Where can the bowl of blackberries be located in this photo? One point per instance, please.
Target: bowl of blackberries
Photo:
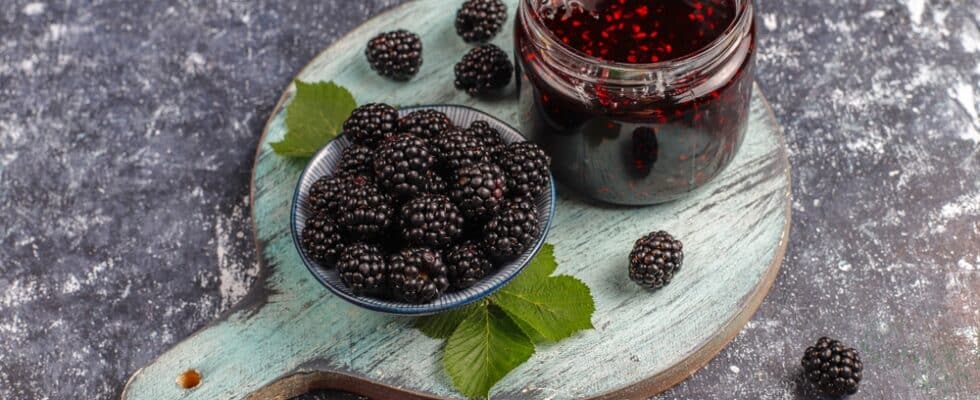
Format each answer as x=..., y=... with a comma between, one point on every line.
x=422, y=209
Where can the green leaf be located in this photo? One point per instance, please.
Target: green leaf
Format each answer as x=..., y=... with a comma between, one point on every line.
x=542, y=266
x=314, y=117
x=554, y=308
x=441, y=326
x=484, y=348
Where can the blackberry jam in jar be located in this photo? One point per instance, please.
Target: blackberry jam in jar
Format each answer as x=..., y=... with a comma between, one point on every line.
x=637, y=101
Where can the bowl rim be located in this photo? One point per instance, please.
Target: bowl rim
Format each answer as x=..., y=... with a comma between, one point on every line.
x=394, y=307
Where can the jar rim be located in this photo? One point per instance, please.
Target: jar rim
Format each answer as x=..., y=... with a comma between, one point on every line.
x=743, y=8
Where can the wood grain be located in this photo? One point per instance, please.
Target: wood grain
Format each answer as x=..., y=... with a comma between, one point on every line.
x=290, y=335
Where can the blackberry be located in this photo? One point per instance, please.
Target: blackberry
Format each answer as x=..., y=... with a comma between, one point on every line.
x=478, y=21
x=364, y=210
x=370, y=124
x=325, y=193
x=832, y=368
x=479, y=190
x=483, y=70
x=466, y=264
x=488, y=137
x=655, y=259
x=457, y=149
x=321, y=238
x=402, y=165
x=526, y=166
x=396, y=54
x=356, y=159
x=426, y=124
x=363, y=269
x=434, y=184
x=432, y=221
x=512, y=231
x=417, y=275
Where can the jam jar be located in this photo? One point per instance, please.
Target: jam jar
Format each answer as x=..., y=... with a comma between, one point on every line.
x=637, y=101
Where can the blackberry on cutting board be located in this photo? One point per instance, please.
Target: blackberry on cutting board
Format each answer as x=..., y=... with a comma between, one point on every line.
x=478, y=21
x=356, y=159
x=479, y=190
x=363, y=269
x=426, y=124
x=488, y=137
x=372, y=123
x=456, y=149
x=364, y=210
x=512, y=231
x=322, y=238
x=466, y=264
x=402, y=165
x=483, y=70
x=431, y=221
x=396, y=54
x=526, y=166
x=833, y=368
x=655, y=259
x=417, y=275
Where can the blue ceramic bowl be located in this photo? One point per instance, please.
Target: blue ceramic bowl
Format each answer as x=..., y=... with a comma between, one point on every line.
x=323, y=164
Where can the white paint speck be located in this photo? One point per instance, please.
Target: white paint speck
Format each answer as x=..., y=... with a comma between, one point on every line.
x=844, y=266
x=972, y=335
x=34, y=8
x=875, y=14
x=963, y=94
x=194, y=63
x=771, y=22
x=735, y=369
x=965, y=265
x=964, y=205
x=72, y=285
x=916, y=9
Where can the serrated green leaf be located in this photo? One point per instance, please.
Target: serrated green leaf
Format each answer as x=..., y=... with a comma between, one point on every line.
x=314, y=117
x=485, y=347
x=542, y=266
x=554, y=307
x=441, y=326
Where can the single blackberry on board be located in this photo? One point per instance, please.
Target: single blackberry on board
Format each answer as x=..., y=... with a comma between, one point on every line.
x=512, y=231
x=402, y=165
x=655, y=259
x=478, y=21
x=456, y=149
x=371, y=124
x=417, y=275
x=426, y=124
x=483, y=70
x=396, y=54
x=833, y=368
x=526, y=166
x=488, y=137
x=479, y=190
x=363, y=269
x=364, y=210
x=325, y=193
x=321, y=238
x=466, y=264
x=431, y=221
x=356, y=159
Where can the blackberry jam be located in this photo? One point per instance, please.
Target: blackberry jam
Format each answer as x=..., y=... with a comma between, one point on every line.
x=637, y=101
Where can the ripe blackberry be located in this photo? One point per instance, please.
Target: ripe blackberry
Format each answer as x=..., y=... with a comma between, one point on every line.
x=402, y=165
x=457, y=149
x=431, y=221
x=363, y=269
x=434, y=184
x=321, y=238
x=467, y=264
x=417, y=275
x=488, y=137
x=356, y=159
x=484, y=69
x=325, y=193
x=833, y=368
x=479, y=190
x=396, y=54
x=655, y=259
x=364, y=210
x=371, y=123
x=512, y=231
x=426, y=124
x=526, y=166
x=478, y=21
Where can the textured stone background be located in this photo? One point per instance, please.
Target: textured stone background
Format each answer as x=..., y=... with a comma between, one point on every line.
x=127, y=130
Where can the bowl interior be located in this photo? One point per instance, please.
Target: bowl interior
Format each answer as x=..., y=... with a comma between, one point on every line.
x=323, y=164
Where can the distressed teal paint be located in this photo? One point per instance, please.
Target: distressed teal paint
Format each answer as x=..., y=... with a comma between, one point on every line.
x=734, y=230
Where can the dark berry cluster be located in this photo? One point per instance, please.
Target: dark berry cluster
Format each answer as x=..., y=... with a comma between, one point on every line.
x=655, y=259
x=832, y=368
x=417, y=206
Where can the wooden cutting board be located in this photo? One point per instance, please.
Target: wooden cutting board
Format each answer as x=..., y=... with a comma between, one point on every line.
x=290, y=335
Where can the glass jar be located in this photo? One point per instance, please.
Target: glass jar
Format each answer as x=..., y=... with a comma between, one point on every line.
x=630, y=133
